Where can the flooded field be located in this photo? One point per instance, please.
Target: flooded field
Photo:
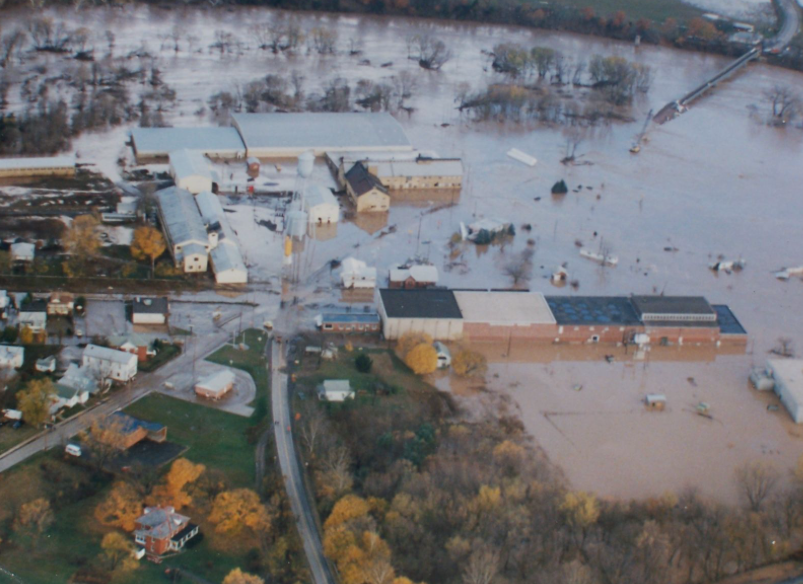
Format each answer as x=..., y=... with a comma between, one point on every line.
x=714, y=181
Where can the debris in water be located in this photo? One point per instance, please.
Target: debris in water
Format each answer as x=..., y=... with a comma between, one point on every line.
x=517, y=154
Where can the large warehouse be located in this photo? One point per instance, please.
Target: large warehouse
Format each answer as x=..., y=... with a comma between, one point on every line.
x=499, y=316
x=287, y=135
x=431, y=311
x=788, y=376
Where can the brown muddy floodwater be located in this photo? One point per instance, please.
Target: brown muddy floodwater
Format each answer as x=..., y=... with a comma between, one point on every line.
x=715, y=181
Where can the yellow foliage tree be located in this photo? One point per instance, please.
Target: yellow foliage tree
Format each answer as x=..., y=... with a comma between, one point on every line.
x=422, y=359
x=580, y=509
x=237, y=576
x=147, y=244
x=35, y=400
x=237, y=510
x=26, y=335
x=81, y=239
x=33, y=519
x=182, y=472
x=118, y=552
x=408, y=341
x=509, y=456
x=120, y=508
x=347, y=509
x=469, y=364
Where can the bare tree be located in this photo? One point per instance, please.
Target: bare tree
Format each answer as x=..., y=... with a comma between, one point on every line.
x=313, y=426
x=481, y=567
x=757, y=480
x=577, y=72
x=432, y=53
x=574, y=137
x=405, y=83
x=336, y=463
x=324, y=40
x=785, y=104
x=783, y=347
x=520, y=269
x=561, y=68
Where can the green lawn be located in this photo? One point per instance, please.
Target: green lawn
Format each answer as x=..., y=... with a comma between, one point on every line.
x=215, y=438
x=252, y=359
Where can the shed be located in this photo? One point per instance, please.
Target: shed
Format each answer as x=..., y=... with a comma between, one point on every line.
x=788, y=376
x=215, y=386
x=321, y=205
x=655, y=401
x=190, y=170
x=46, y=364
x=39, y=166
x=61, y=304
x=413, y=276
x=356, y=274
x=335, y=390
x=22, y=252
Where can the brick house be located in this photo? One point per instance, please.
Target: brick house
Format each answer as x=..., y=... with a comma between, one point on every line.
x=61, y=304
x=161, y=530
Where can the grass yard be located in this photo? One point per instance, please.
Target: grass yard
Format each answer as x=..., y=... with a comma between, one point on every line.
x=165, y=353
x=251, y=360
x=214, y=438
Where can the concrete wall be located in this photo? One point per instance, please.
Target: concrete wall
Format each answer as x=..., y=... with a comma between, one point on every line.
x=440, y=329
x=683, y=335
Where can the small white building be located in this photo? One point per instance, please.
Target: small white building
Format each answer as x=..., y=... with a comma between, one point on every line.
x=355, y=273
x=22, y=252
x=415, y=276
x=46, y=364
x=321, y=205
x=150, y=310
x=788, y=376
x=335, y=390
x=110, y=363
x=11, y=356
x=190, y=171
x=75, y=387
x=216, y=385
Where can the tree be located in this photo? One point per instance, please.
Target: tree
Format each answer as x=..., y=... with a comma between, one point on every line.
x=519, y=269
x=757, y=480
x=33, y=519
x=235, y=511
x=580, y=511
x=432, y=53
x=560, y=188
x=422, y=359
x=5, y=261
x=469, y=364
x=26, y=335
x=105, y=440
x=118, y=551
x=786, y=104
x=35, y=401
x=410, y=340
x=147, y=243
x=121, y=507
x=363, y=363
x=182, y=473
x=237, y=576
x=82, y=238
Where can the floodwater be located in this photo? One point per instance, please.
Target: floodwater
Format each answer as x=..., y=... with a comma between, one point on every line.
x=714, y=181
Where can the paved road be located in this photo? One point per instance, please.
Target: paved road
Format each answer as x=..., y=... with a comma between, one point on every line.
x=296, y=492
x=143, y=385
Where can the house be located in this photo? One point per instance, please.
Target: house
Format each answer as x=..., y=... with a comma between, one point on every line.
x=110, y=363
x=185, y=234
x=134, y=343
x=350, y=322
x=655, y=401
x=46, y=364
x=11, y=356
x=366, y=190
x=788, y=376
x=67, y=397
x=123, y=431
x=335, y=390
x=160, y=530
x=41, y=166
x=413, y=276
x=33, y=315
x=22, y=252
x=146, y=310
x=215, y=386
x=356, y=274
x=75, y=387
x=227, y=259
x=61, y=304
x=431, y=311
x=321, y=205
x=190, y=171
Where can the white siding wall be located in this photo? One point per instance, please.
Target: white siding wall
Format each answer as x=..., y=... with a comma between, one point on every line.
x=147, y=318
x=195, y=184
x=440, y=329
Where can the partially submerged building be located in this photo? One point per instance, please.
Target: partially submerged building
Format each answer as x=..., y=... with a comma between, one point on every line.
x=431, y=311
x=502, y=315
x=110, y=363
x=321, y=205
x=61, y=166
x=413, y=276
x=227, y=260
x=355, y=273
x=366, y=191
x=184, y=230
x=788, y=377
x=401, y=170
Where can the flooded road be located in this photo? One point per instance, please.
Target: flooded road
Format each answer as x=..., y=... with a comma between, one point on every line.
x=714, y=181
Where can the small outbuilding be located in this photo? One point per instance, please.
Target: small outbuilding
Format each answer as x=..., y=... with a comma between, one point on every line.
x=146, y=310
x=190, y=171
x=46, y=364
x=22, y=252
x=355, y=273
x=321, y=205
x=413, y=276
x=61, y=304
x=655, y=401
x=216, y=385
x=335, y=390
x=11, y=356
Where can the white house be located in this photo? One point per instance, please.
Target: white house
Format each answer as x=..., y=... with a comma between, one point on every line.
x=33, y=315
x=149, y=310
x=22, y=252
x=117, y=365
x=321, y=205
x=74, y=388
x=788, y=376
x=184, y=230
x=335, y=390
x=46, y=364
x=190, y=171
x=356, y=274
x=11, y=356
x=215, y=386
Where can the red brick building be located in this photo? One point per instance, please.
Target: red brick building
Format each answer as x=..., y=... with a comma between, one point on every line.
x=160, y=530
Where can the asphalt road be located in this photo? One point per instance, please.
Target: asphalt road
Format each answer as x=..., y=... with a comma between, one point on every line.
x=288, y=462
x=142, y=385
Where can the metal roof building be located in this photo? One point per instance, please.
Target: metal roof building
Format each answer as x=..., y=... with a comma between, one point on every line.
x=227, y=259
x=185, y=232
x=788, y=375
x=284, y=135
x=431, y=311
x=190, y=170
x=150, y=143
x=321, y=205
x=39, y=166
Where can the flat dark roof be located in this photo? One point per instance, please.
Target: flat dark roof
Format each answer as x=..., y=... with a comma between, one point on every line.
x=696, y=305
x=428, y=303
x=370, y=317
x=593, y=310
x=150, y=305
x=728, y=323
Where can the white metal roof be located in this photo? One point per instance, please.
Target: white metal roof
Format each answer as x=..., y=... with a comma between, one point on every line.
x=217, y=381
x=349, y=157
x=316, y=194
x=336, y=385
x=180, y=216
x=185, y=163
x=790, y=373
x=211, y=140
x=79, y=379
x=394, y=168
x=418, y=272
x=504, y=308
x=321, y=131
x=107, y=354
x=227, y=257
x=37, y=163
x=22, y=250
x=8, y=353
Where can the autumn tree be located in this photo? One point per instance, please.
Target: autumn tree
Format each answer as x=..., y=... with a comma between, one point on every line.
x=26, y=335
x=237, y=576
x=147, y=244
x=756, y=480
x=422, y=359
x=410, y=340
x=172, y=491
x=33, y=519
x=469, y=364
x=121, y=507
x=236, y=511
x=35, y=401
x=580, y=511
x=105, y=439
x=118, y=552
x=81, y=241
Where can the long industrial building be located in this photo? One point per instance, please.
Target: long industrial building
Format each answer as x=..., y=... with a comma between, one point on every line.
x=41, y=166
x=477, y=315
x=154, y=144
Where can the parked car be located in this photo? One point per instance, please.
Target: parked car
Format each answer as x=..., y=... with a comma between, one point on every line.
x=73, y=450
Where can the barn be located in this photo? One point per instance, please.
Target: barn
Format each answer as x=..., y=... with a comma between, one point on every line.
x=155, y=144
x=431, y=311
x=190, y=171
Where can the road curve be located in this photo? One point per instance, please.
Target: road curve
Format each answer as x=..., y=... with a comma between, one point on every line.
x=288, y=462
x=791, y=24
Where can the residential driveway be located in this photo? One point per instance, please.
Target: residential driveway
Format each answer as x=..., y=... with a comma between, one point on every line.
x=235, y=401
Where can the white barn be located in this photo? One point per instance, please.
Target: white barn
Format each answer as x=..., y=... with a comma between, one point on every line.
x=190, y=171
x=105, y=362
x=225, y=254
x=788, y=376
x=321, y=205
x=185, y=233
